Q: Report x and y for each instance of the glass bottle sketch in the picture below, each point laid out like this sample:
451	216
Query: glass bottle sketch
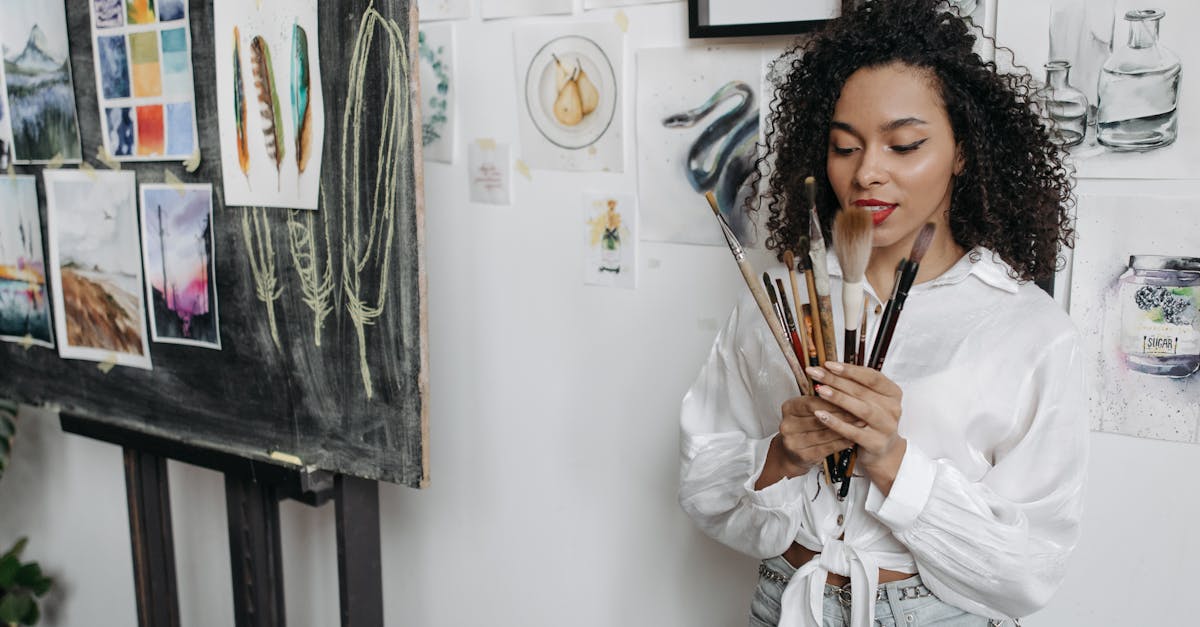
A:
1081	33
1139	89
1068	106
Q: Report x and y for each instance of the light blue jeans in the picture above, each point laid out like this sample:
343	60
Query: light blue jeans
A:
894	611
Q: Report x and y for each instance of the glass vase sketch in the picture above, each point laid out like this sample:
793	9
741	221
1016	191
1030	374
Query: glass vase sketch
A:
1139	89
1081	33
1068	106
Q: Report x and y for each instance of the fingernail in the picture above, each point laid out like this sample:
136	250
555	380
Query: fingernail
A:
816	373
825	391
835	366
822	415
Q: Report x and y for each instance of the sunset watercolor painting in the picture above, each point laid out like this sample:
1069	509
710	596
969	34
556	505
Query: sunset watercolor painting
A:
177	252
24	303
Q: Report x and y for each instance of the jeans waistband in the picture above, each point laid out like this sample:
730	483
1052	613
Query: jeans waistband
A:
910	588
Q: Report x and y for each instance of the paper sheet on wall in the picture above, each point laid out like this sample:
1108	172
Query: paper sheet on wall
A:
24	300
492	9
269	102
697	127
431	10
438	115
1110	229
1086	35
569	89
611	240
489	173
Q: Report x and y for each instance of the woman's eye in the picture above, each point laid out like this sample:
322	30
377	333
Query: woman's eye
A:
842	151
909	147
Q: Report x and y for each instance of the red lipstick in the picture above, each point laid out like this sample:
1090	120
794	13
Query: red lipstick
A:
880	210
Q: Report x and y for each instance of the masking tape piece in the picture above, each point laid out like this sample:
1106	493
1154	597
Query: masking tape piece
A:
107	159
486	143
193	162
172	180
27	341
524	169
55	162
87	169
107	365
285	457
622	21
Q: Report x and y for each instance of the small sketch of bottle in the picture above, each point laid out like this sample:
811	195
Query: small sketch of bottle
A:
1068	106
1139	89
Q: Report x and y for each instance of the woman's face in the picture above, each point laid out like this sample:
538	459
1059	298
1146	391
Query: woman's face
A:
892	150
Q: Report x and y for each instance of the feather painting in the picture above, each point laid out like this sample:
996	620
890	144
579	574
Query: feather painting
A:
301	111
268	102
239	106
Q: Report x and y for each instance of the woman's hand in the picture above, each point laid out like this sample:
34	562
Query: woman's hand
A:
803	440
872	402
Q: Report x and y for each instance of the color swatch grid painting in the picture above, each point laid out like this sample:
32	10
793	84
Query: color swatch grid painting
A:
39	97
177	252
24	302
142	51
95	266
269	97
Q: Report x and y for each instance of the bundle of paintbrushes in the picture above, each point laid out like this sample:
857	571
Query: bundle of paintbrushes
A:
850	241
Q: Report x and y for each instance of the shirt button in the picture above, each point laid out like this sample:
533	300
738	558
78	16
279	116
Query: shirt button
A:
841	519
878	309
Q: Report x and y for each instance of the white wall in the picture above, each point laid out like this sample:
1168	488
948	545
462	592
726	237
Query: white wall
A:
553	438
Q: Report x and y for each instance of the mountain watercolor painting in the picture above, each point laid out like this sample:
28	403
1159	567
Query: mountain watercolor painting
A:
37	72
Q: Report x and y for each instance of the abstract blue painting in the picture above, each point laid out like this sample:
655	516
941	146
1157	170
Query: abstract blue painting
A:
120	130
114	66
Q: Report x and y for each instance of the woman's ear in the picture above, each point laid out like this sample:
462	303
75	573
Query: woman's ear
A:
959	162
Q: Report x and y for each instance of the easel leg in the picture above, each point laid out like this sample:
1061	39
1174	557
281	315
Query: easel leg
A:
255	552
360	574
151	539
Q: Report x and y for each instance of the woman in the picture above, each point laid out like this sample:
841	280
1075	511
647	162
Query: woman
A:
972	440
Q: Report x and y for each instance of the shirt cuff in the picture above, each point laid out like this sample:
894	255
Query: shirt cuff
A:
778	494
910	491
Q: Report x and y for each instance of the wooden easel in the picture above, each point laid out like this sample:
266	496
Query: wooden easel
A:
253	490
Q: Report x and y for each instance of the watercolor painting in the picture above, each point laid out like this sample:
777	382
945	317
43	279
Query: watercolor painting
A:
37	77
109	13
610	227
95	263
178	262
492	9
604	4
140	11
144	82
570	114
24	301
1114	76
697	132
431	10
1140	325
269	102
436	42
489	172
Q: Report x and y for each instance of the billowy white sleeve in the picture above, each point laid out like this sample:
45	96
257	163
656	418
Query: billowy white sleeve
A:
728	419
999	545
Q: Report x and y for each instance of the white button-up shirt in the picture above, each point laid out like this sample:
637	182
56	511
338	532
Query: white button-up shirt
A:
987	501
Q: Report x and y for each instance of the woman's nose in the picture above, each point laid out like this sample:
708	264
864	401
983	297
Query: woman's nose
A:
871	170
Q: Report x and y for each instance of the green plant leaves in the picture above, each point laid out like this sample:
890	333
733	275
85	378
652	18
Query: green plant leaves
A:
20	585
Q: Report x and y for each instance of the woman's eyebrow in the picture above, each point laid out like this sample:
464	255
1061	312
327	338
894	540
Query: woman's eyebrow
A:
887	126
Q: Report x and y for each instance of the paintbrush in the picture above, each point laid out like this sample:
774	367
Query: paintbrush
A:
818	345
852	231
820	267
760	298
789	259
887	324
891	314
862	337
774	298
790	323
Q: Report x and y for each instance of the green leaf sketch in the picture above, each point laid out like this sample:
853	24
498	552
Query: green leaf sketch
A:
316	278
368	242
261	254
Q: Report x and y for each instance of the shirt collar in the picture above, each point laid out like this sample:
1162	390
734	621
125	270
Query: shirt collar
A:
990	269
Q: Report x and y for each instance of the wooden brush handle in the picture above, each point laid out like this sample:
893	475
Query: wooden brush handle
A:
768	313
827	329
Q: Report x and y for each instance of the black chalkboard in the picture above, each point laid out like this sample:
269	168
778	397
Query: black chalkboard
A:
283	392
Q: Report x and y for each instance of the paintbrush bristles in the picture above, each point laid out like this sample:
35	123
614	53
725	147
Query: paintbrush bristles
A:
852	234
921	244
810	191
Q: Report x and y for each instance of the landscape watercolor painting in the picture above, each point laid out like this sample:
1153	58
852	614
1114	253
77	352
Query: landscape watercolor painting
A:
37	77
95	264
177	249
24	303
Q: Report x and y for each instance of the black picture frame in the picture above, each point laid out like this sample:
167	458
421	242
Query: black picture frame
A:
696	30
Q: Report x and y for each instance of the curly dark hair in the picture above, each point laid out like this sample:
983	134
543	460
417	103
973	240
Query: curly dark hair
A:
1014	195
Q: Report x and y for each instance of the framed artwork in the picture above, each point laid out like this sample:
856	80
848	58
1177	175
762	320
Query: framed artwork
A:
748	18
